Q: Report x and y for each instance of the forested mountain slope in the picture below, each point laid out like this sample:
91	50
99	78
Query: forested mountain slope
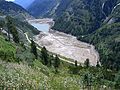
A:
39	8
96	22
107	42
85	16
10	8
21	27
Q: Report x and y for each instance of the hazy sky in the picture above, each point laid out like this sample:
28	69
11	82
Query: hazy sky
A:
23	3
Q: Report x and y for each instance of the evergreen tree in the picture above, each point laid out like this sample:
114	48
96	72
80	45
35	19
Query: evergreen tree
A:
87	63
51	59
75	63
8	24
44	55
98	65
15	34
12	29
34	49
2	23
56	62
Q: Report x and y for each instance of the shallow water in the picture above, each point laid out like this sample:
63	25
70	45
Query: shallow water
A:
41	27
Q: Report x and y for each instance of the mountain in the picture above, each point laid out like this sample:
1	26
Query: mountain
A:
24	3
40	8
87	15
96	22
58	10
48	8
10	8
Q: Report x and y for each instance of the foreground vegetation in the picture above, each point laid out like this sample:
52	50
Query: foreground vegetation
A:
25	71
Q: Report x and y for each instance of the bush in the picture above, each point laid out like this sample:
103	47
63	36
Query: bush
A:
7	56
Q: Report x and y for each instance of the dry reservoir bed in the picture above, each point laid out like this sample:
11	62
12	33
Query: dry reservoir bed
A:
67	46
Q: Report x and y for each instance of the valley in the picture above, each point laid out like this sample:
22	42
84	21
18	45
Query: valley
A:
60	45
63	44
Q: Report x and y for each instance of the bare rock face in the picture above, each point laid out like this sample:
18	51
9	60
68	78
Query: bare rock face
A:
67	46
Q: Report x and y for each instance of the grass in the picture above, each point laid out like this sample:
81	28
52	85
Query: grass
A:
6	46
21	76
36	77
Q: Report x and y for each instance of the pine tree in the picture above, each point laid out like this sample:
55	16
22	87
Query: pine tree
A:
76	63
98	65
56	62
34	49
2	23
87	63
44	55
51	59
8	24
12	29
15	34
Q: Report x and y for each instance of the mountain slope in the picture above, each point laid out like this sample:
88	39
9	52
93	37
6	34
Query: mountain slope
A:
96	22
10	8
85	16
41	7
21	26
80	17
24	4
107	42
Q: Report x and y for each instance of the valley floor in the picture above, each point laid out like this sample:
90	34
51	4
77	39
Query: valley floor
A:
67	46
